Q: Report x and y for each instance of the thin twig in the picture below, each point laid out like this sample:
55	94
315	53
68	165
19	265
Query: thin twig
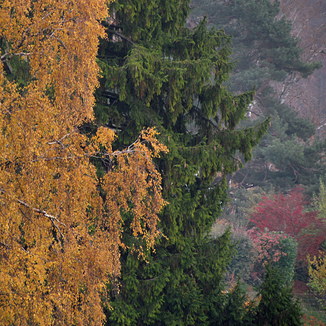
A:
8	54
59	140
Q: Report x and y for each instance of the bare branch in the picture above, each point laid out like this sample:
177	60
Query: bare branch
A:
7	55
59	141
44	158
54	220
121	36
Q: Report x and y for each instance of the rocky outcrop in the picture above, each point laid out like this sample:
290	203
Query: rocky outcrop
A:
308	96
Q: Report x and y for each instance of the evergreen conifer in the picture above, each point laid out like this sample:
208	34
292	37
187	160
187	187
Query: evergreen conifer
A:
277	306
157	72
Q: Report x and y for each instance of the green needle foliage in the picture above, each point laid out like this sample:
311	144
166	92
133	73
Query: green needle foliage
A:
277	306
157	72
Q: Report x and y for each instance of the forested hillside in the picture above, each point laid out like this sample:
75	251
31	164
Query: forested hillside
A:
307	96
279	188
124	127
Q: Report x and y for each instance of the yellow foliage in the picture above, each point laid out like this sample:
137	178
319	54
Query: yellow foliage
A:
317	273
59	239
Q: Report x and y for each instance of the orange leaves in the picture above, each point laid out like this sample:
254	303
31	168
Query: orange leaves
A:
60	39
141	194
60	225
104	137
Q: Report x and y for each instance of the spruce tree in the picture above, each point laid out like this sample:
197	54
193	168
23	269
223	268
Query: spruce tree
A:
157	72
277	307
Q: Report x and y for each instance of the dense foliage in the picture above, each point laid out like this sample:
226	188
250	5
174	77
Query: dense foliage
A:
158	72
277	307
287	213
60	223
80	194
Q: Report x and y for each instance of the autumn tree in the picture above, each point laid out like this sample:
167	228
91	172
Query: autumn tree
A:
287	213
319	201
60	223
275	249
317	274
317	263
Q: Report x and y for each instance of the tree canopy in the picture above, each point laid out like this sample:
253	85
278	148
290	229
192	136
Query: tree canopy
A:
87	187
157	72
60	221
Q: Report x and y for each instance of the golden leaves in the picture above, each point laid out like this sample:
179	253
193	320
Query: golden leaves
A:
61	40
104	138
317	273
59	236
141	194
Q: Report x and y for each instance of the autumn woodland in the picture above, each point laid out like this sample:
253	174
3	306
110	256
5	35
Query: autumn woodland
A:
126	196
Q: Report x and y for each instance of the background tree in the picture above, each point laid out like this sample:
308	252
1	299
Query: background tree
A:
265	54
255	249
60	223
277	305
287	213
317	274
